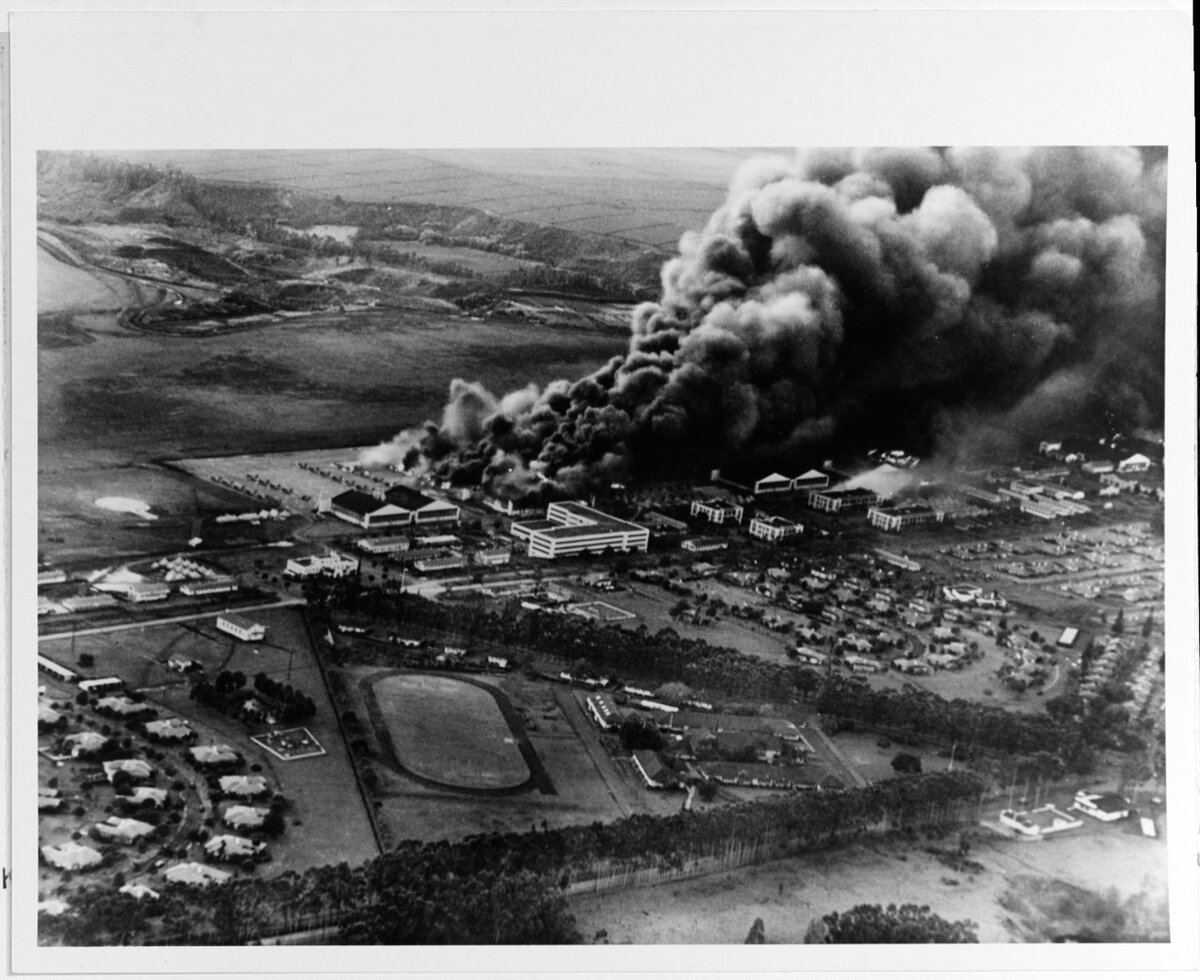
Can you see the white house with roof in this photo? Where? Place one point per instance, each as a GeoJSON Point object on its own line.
{"type": "Point", "coordinates": [193, 873]}
{"type": "Point", "coordinates": [244, 786]}
{"type": "Point", "coordinates": [241, 627]}
{"type": "Point", "coordinates": [71, 856]}
{"type": "Point", "coordinates": [245, 817]}
{"type": "Point", "coordinates": [1137, 463]}
{"type": "Point", "coordinates": [230, 847]}
{"type": "Point", "coordinates": [123, 831]}
{"type": "Point", "coordinates": [1103, 806]}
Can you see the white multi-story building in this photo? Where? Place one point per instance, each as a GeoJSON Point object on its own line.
{"type": "Point", "coordinates": [717, 511]}
{"type": "Point", "coordinates": [836, 501]}
{"type": "Point", "coordinates": [898, 518]}
{"type": "Point", "coordinates": [769, 527]}
{"type": "Point", "coordinates": [572, 527]}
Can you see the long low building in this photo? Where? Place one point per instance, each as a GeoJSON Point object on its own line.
{"type": "Point", "coordinates": [572, 527]}
{"type": "Point", "coordinates": [212, 586]}
{"type": "Point", "coordinates": [384, 546]}
{"type": "Point", "coordinates": [241, 627]}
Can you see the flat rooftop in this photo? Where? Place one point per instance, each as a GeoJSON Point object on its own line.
{"type": "Point", "coordinates": [587, 520]}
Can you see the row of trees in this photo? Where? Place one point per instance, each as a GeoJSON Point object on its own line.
{"type": "Point", "coordinates": [667, 656]}
{"type": "Point", "coordinates": [294, 705]}
{"type": "Point", "coordinates": [504, 888]}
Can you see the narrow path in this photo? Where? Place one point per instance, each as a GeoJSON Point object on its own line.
{"type": "Point", "coordinates": [591, 743]}
{"type": "Point", "coordinates": [859, 779]}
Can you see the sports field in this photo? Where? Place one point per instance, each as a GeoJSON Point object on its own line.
{"type": "Point", "coordinates": [450, 732]}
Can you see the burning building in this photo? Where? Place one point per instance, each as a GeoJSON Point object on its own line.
{"type": "Point", "coordinates": [939, 299]}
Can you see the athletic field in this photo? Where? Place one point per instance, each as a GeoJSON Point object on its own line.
{"type": "Point", "coordinates": [450, 732]}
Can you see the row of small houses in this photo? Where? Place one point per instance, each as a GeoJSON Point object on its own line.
{"type": "Point", "coordinates": [136, 592]}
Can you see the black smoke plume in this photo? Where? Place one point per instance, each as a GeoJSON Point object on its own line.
{"type": "Point", "coordinates": [918, 297]}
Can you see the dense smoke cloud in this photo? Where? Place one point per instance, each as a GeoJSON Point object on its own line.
{"type": "Point", "coordinates": [924, 297]}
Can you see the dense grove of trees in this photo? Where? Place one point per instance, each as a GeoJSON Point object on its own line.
{"type": "Point", "coordinates": [294, 705]}
{"type": "Point", "coordinates": [227, 693]}
{"type": "Point", "coordinates": [920, 714]}
{"type": "Point", "coordinates": [501, 888]}
{"type": "Point", "coordinates": [903, 924]}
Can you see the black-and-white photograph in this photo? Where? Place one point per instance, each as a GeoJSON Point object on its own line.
{"type": "Point", "coordinates": [453, 547]}
{"type": "Point", "coordinates": [614, 545]}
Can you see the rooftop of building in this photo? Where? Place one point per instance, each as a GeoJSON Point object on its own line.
{"type": "Point", "coordinates": [357, 502]}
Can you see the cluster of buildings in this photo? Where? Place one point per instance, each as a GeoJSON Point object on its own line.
{"type": "Point", "coordinates": [734, 750]}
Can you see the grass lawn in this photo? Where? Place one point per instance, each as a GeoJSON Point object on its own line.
{"type": "Point", "coordinates": [450, 732]}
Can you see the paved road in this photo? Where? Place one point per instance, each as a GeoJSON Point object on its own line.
{"type": "Point", "coordinates": [591, 743]}
{"type": "Point", "coordinates": [118, 627]}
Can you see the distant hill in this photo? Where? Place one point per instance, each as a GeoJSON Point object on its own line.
{"type": "Point", "coordinates": [83, 188]}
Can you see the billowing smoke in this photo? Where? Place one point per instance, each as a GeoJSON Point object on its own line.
{"type": "Point", "coordinates": [929, 298]}
{"type": "Point", "coordinates": [886, 480]}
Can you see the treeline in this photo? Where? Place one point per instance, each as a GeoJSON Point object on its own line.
{"type": "Point", "coordinates": [294, 705]}
{"type": "Point", "coordinates": [969, 724]}
{"type": "Point", "coordinates": [501, 888]}
{"type": "Point", "coordinates": [666, 656]}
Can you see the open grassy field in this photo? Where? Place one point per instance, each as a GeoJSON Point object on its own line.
{"type": "Point", "coordinates": [409, 809]}
{"type": "Point", "coordinates": [449, 732]}
{"type": "Point", "coordinates": [1051, 882]}
{"type": "Point", "coordinates": [112, 402]}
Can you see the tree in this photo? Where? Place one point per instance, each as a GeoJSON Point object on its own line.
{"type": "Point", "coordinates": [906, 762]}
{"type": "Point", "coordinates": [674, 691]}
{"type": "Point", "coordinates": [638, 732]}
{"type": "Point", "coordinates": [87, 660]}
{"type": "Point", "coordinates": [1118, 626]}
{"type": "Point", "coordinates": [757, 933]}
{"type": "Point", "coordinates": [872, 924]}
